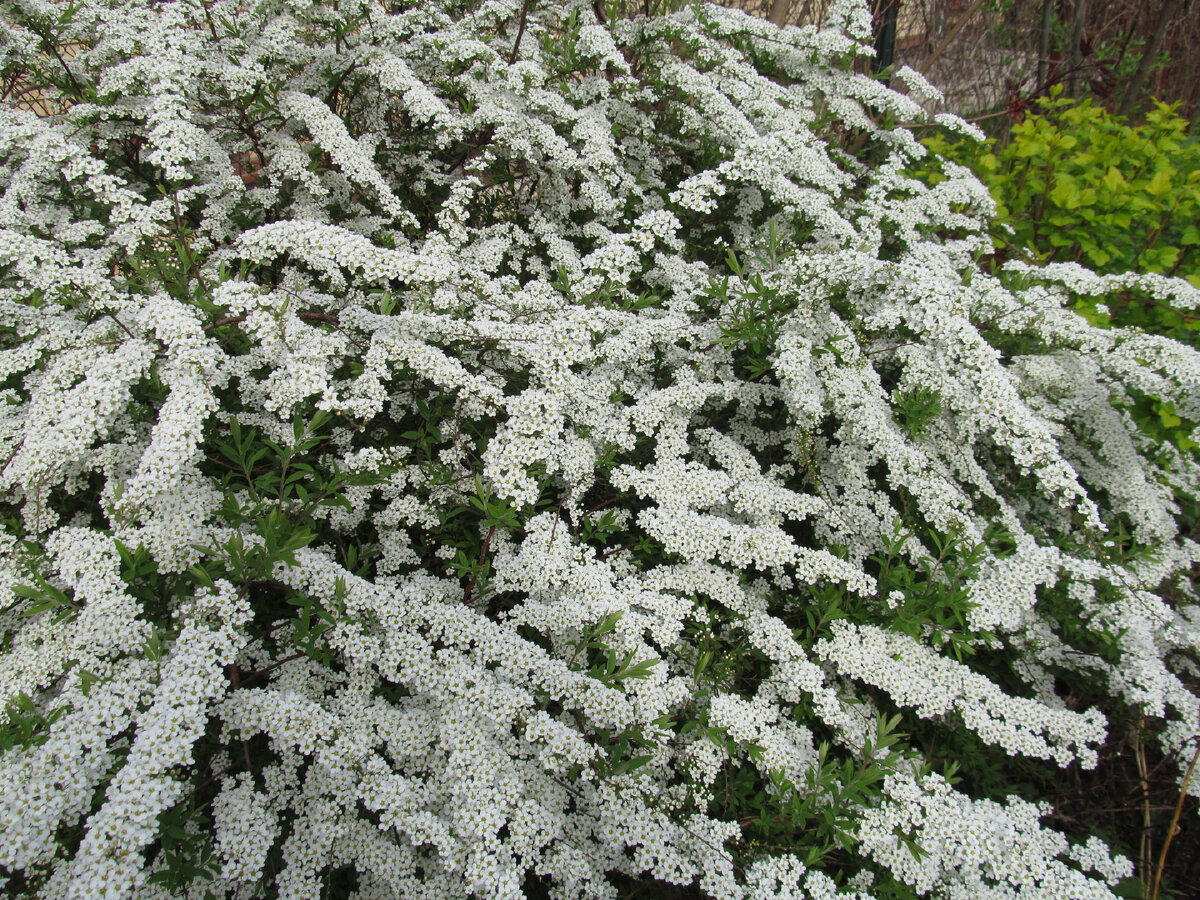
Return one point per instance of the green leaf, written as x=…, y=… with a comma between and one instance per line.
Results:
x=1160, y=184
x=1114, y=180
x=202, y=577
x=1066, y=193
x=1028, y=149
x=1098, y=255
x=1166, y=415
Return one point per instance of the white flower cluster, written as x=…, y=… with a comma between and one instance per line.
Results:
x=246, y=829
x=329, y=247
x=786, y=878
x=914, y=675
x=981, y=848
x=330, y=134
x=190, y=680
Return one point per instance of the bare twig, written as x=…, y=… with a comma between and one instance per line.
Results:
x=1146, y=850
x=951, y=35
x=113, y=316
x=1133, y=90
x=258, y=673
x=1043, y=62
x=329, y=318
x=607, y=553
x=1183, y=793
x=483, y=552
x=512, y=57
x=49, y=45
x=1074, y=50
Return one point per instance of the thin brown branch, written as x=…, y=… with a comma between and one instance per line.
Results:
x=259, y=673
x=516, y=50
x=1133, y=90
x=306, y=316
x=1183, y=793
x=113, y=316
x=483, y=552
x=1146, y=850
x=607, y=553
x=49, y=45
x=951, y=36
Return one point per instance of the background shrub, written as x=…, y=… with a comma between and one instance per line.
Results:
x=1076, y=183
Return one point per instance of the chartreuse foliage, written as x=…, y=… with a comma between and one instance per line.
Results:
x=508, y=449
x=1076, y=183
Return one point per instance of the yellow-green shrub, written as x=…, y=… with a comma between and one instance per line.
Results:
x=1079, y=184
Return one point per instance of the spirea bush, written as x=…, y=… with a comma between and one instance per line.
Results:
x=496, y=449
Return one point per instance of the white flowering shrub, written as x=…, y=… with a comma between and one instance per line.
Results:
x=507, y=449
